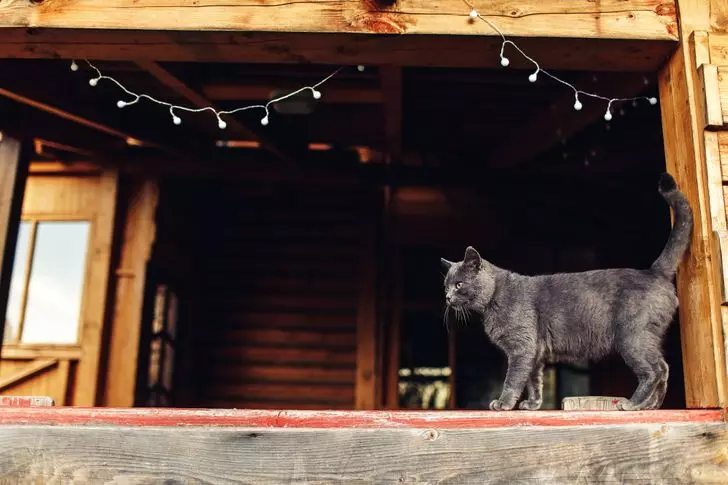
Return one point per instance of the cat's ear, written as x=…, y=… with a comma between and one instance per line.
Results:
x=445, y=264
x=472, y=259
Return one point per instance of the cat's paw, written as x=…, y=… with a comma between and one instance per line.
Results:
x=498, y=405
x=530, y=405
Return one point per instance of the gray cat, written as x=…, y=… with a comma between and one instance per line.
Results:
x=573, y=317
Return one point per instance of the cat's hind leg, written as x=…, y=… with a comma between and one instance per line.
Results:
x=534, y=388
x=642, y=354
x=658, y=396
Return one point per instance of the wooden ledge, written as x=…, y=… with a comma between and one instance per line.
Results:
x=345, y=419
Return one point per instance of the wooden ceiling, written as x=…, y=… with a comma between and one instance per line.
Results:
x=412, y=116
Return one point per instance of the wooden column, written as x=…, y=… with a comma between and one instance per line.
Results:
x=13, y=175
x=698, y=278
x=125, y=327
x=365, y=396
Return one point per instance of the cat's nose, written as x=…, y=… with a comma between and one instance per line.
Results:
x=448, y=299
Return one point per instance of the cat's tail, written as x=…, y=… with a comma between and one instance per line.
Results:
x=666, y=264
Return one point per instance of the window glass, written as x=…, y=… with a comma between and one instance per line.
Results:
x=56, y=284
x=17, y=283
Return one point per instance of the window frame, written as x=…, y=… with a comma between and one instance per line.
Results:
x=35, y=219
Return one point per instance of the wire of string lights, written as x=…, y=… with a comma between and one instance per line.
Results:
x=474, y=15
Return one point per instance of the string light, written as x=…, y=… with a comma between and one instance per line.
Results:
x=505, y=62
x=221, y=123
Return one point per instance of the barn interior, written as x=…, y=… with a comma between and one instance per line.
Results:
x=278, y=243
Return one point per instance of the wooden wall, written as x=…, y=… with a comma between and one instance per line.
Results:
x=68, y=373
x=273, y=319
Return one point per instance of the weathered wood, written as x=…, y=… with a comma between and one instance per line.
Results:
x=130, y=278
x=13, y=176
x=633, y=19
x=590, y=403
x=430, y=50
x=709, y=80
x=25, y=401
x=430, y=453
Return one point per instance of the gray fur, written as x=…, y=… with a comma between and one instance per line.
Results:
x=573, y=317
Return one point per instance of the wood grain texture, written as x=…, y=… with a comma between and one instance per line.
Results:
x=711, y=101
x=340, y=49
x=96, y=292
x=125, y=325
x=627, y=454
x=25, y=401
x=13, y=176
x=641, y=19
x=698, y=279
x=26, y=372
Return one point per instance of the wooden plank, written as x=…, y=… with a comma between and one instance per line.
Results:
x=366, y=320
x=590, y=403
x=96, y=293
x=616, y=19
x=341, y=49
x=711, y=99
x=139, y=233
x=25, y=401
x=25, y=352
x=282, y=319
x=13, y=176
x=63, y=375
x=266, y=336
x=285, y=373
x=322, y=393
x=632, y=453
x=325, y=419
x=291, y=356
x=29, y=371
x=698, y=281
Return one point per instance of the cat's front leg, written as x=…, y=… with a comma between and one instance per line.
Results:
x=534, y=387
x=519, y=370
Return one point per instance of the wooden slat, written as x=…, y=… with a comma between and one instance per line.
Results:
x=13, y=176
x=633, y=453
x=28, y=371
x=273, y=373
x=280, y=319
x=96, y=292
x=322, y=393
x=25, y=352
x=267, y=337
x=284, y=356
x=710, y=80
x=138, y=236
x=698, y=281
x=281, y=302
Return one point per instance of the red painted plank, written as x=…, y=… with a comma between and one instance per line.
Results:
x=344, y=419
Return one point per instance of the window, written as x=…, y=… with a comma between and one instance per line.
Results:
x=161, y=348
x=46, y=288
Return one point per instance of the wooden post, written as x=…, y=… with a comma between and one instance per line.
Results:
x=125, y=327
x=698, y=278
x=13, y=175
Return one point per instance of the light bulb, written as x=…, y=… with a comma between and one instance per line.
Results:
x=74, y=66
x=316, y=94
x=93, y=81
x=578, y=105
x=473, y=14
x=121, y=104
x=221, y=123
x=360, y=68
x=608, y=115
x=533, y=77
x=264, y=120
x=176, y=120
x=505, y=61
x=653, y=101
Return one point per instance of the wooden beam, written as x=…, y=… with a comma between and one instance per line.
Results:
x=139, y=233
x=613, y=19
x=14, y=159
x=48, y=444
x=26, y=372
x=558, y=121
x=698, y=280
x=234, y=126
x=391, y=79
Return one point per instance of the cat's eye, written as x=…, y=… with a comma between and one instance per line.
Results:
x=458, y=286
